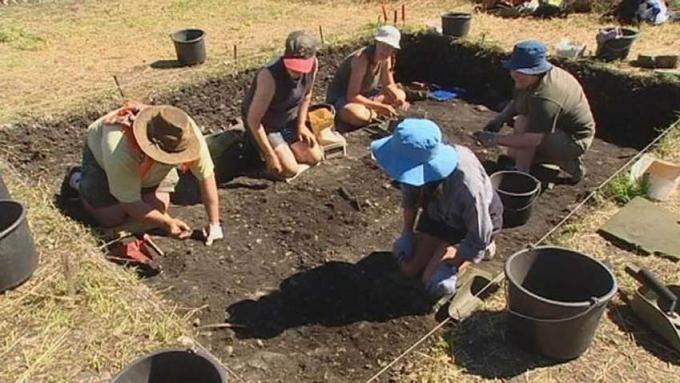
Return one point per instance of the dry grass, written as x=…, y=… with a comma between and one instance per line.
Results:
x=577, y=27
x=79, y=318
x=623, y=350
x=58, y=54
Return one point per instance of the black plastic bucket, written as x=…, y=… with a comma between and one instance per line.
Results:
x=190, y=46
x=617, y=48
x=18, y=258
x=4, y=192
x=173, y=366
x=456, y=24
x=556, y=298
x=518, y=192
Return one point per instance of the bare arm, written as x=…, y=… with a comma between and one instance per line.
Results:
x=210, y=199
x=387, y=78
x=143, y=211
x=264, y=92
x=409, y=220
x=306, y=102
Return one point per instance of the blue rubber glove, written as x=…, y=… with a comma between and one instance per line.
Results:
x=443, y=282
x=402, y=248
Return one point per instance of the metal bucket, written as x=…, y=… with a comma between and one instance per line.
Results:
x=556, y=298
x=190, y=46
x=18, y=258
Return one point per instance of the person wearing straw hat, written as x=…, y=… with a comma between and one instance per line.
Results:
x=459, y=211
x=363, y=88
x=276, y=105
x=129, y=168
x=552, y=122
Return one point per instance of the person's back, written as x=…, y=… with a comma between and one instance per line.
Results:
x=575, y=117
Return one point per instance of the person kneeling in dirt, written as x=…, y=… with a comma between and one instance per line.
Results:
x=460, y=212
x=363, y=88
x=276, y=105
x=129, y=168
x=553, y=120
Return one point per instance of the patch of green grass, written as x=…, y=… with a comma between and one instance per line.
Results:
x=19, y=38
x=670, y=144
x=623, y=189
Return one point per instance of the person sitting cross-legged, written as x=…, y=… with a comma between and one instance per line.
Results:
x=363, y=88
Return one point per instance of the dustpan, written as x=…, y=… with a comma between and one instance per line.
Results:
x=655, y=304
x=473, y=285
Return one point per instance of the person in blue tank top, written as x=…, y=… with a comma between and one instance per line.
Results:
x=276, y=105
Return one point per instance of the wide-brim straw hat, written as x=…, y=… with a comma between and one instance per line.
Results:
x=165, y=133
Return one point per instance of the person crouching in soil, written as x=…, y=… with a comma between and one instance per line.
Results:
x=363, y=88
x=460, y=212
x=276, y=105
x=129, y=168
x=553, y=122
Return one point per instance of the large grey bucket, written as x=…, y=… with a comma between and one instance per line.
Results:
x=18, y=258
x=190, y=46
x=556, y=298
x=173, y=366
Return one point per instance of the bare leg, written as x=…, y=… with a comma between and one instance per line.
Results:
x=114, y=215
x=423, y=250
x=523, y=157
x=444, y=253
x=305, y=154
x=288, y=161
x=356, y=114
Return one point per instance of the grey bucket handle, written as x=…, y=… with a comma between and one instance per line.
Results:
x=596, y=302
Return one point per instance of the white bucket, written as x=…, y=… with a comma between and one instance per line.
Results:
x=663, y=176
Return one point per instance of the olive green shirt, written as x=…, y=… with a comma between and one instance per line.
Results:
x=558, y=102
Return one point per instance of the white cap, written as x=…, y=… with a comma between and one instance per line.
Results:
x=389, y=35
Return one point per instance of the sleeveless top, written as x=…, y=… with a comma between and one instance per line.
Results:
x=371, y=80
x=287, y=99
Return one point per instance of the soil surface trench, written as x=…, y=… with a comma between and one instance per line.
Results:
x=304, y=271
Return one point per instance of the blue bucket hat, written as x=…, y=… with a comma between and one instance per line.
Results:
x=529, y=57
x=414, y=154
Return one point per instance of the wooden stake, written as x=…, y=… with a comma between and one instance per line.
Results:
x=120, y=89
x=235, y=52
x=321, y=35
x=395, y=17
x=403, y=13
x=384, y=10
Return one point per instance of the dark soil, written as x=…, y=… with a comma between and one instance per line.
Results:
x=303, y=269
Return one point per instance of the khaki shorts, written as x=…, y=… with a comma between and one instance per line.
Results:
x=559, y=147
x=94, y=185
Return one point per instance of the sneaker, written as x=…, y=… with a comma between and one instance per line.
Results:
x=490, y=251
x=443, y=282
x=67, y=191
x=576, y=170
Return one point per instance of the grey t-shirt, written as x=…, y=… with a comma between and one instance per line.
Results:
x=467, y=202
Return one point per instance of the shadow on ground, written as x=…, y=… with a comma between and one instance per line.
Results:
x=334, y=294
x=480, y=345
x=166, y=64
x=624, y=317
